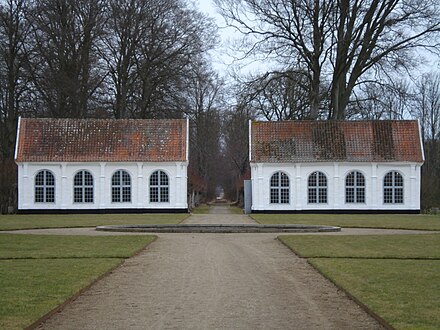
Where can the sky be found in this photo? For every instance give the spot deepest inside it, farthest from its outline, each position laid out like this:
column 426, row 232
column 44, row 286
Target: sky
column 221, row 56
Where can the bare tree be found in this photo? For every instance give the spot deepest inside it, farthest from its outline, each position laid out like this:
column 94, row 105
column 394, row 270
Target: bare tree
column 126, row 28
column 64, row 65
column 338, row 41
column 278, row 95
column 13, row 31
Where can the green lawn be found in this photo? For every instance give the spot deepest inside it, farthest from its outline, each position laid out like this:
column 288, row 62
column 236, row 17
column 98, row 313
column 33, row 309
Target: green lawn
column 426, row 246
column 35, row 221
column 390, row 221
column 205, row 209
column 201, row 209
column 37, row 272
column 403, row 291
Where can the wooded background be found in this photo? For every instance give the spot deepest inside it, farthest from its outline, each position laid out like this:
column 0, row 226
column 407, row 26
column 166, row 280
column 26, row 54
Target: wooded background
column 326, row 60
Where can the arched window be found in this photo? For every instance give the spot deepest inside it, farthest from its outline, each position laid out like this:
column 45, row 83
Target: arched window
column 44, row 187
column 159, row 187
column 83, row 187
column 279, row 188
column 121, row 187
column 355, row 187
column 393, row 188
column 317, row 185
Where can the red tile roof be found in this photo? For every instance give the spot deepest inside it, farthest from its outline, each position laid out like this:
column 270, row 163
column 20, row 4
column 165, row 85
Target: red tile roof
column 101, row 140
column 348, row 141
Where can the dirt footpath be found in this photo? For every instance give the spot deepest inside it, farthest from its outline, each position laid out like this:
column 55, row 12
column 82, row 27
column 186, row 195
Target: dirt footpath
column 213, row 281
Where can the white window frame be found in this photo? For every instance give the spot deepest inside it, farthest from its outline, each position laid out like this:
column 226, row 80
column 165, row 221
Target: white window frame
column 45, row 187
column 84, row 187
column 317, row 188
column 279, row 188
column 120, row 188
column 160, row 186
column 356, row 188
column 393, row 188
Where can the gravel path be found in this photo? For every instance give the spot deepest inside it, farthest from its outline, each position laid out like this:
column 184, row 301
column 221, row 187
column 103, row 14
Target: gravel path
column 212, row 281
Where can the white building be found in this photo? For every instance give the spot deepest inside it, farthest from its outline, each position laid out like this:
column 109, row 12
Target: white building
column 95, row 165
column 335, row 166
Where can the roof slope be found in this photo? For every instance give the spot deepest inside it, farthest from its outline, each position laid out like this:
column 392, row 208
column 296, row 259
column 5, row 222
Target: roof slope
column 349, row 141
column 103, row 140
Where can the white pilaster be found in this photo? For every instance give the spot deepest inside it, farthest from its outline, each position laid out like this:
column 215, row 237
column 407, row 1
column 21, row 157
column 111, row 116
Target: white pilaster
column 374, row 192
column 101, row 198
column 64, row 187
column 140, row 180
column 298, row 184
column 336, row 189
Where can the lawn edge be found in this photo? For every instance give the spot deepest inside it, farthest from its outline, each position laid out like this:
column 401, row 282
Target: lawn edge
column 366, row 309
column 75, row 296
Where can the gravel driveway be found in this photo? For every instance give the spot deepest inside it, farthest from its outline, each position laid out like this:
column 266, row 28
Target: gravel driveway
column 213, row 281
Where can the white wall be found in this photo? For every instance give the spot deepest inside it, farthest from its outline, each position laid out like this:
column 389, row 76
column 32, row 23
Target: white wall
column 336, row 173
column 102, row 173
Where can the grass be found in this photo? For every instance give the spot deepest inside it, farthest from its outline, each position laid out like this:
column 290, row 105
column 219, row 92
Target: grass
column 386, row 221
column 206, row 208
column 37, row 272
column 201, row 209
column 424, row 246
column 39, row 221
column 397, row 277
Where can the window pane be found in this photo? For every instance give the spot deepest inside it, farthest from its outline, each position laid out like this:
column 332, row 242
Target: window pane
column 274, row 180
column 126, row 181
column 77, row 195
column 88, row 195
column 349, row 195
column 164, row 194
column 39, row 195
column 154, row 179
column 349, row 181
column 360, row 195
column 322, row 195
column 39, row 178
column 126, row 194
column 50, row 179
column 312, row 195
column 88, row 179
column 284, row 196
column 398, row 180
column 322, row 180
column 284, row 180
column 50, row 195
column 116, row 179
column 398, row 195
column 274, row 196
column 312, row 179
column 388, row 195
column 360, row 179
column 116, row 195
column 388, row 180
column 77, row 181
column 163, row 179
column 154, row 194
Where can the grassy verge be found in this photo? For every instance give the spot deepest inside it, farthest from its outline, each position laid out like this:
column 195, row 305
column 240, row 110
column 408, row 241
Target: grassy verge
column 387, row 221
column 36, row 221
column 424, row 246
column 37, row 272
column 397, row 277
column 201, row 209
